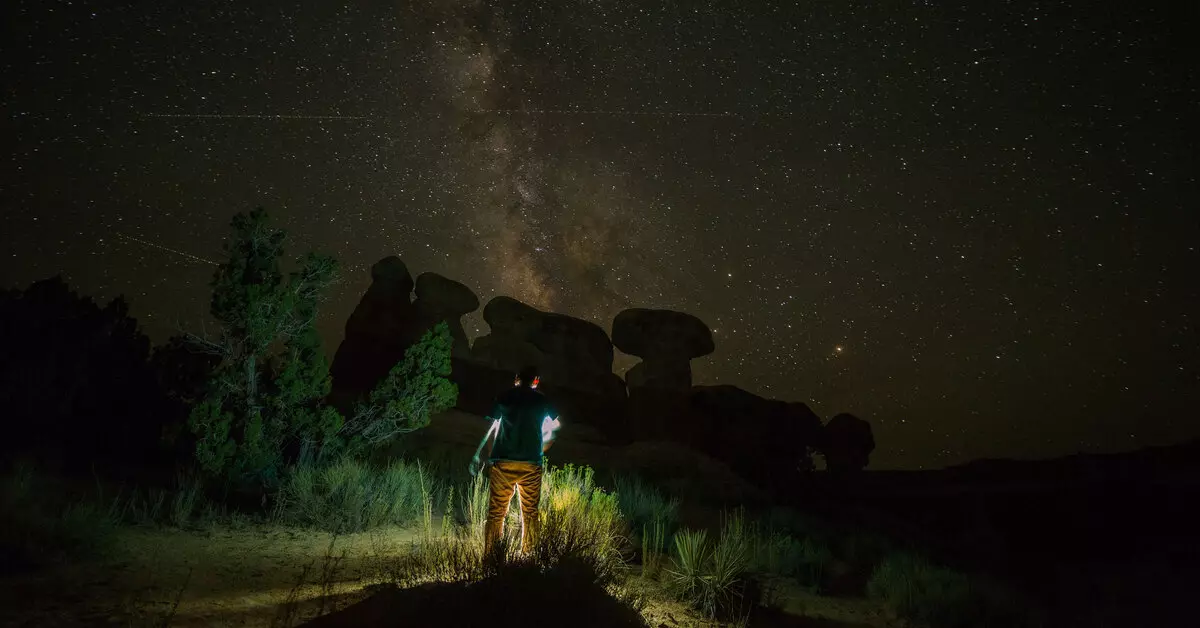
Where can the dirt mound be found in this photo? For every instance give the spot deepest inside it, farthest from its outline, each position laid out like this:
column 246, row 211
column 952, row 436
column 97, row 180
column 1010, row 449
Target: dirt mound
column 520, row 596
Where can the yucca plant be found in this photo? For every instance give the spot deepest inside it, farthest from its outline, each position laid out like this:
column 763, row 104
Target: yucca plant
column 708, row 575
column 691, row 559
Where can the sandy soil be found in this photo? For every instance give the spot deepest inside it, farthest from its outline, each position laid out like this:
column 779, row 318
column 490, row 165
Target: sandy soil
column 217, row 577
column 271, row 576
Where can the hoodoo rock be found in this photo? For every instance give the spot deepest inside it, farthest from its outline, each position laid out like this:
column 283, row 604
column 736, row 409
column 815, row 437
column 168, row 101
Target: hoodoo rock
column 570, row 352
column 666, row 341
column 442, row 299
column 574, row 357
column 376, row 332
column 509, row 317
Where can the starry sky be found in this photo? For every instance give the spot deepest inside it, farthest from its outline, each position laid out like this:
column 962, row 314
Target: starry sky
column 974, row 226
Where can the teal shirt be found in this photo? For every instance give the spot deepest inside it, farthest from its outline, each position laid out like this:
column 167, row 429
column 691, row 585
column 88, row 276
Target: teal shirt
column 520, row 411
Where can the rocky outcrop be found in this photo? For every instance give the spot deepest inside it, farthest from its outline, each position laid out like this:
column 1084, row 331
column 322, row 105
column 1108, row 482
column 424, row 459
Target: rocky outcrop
column 765, row 440
column 666, row 341
column 386, row 322
column 574, row 356
column 377, row 332
column 441, row 299
column 847, row 443
column 571, row 353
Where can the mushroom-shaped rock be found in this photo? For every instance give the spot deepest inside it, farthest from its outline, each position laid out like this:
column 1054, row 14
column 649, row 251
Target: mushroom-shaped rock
column 582, row 344
column 571, row 352
column 436, row 293
column 661, row 333
column 441, row 299
column 666, row 341
column 510, row 317
column 506, row 353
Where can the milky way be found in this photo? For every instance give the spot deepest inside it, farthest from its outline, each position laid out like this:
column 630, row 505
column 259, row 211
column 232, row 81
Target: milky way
column 548, row 221
column 974, row 226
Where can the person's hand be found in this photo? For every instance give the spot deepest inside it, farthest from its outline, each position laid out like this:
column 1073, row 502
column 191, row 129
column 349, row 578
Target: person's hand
column 475, row 467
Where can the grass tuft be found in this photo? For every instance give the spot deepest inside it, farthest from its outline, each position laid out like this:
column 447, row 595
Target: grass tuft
column 350, row 496
column 40, row 526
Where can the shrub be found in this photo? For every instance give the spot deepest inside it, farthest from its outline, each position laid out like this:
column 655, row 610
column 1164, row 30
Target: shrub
column 350, row 496
column 579, row 522
column 807, row 560
column 578, row 517
column 941, row 597
column 38, row 526
column 414, row 390
column 645, row 508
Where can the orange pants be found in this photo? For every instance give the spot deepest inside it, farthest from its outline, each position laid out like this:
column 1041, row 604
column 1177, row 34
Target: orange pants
column 525, row 478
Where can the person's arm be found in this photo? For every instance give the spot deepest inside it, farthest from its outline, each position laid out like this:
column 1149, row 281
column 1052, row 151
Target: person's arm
column 549, row 430
column 489, row 441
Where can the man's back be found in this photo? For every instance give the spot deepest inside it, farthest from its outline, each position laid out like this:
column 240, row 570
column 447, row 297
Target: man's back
column 521, row 411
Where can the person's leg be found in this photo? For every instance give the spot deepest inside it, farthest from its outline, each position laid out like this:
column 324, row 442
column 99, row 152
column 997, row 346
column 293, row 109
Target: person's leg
column 502, row 480
column 529, row 489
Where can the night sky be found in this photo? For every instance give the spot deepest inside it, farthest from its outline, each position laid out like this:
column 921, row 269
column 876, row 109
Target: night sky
column 974, row 227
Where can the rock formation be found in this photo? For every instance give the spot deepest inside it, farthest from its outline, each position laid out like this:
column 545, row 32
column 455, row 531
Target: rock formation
column 767, row 441
column 376, row 332
column 441, row 299
column 386, row 322
column 571, row 353
column 847, row 443
column 666, row 341
column 575, row 358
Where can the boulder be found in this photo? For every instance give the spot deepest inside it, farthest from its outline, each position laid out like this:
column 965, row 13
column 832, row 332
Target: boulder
column 661, row 333
column 570, row 352
column 847, row 443
column 509, row 317
column 506, row 353
column 441, row 299
column 766, row 441
column 671, row 375
column 666, row 341
column 443, row 295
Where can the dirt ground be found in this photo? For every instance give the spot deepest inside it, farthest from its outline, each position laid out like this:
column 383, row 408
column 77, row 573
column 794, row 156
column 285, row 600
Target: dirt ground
column 271, row 576
column 258, row 575
column 215, row 577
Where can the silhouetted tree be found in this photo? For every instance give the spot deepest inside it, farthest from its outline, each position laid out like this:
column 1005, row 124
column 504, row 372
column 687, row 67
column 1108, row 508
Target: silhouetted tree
column 268, row 389
column 182, row 370
column 847, row 443
column 75, row 381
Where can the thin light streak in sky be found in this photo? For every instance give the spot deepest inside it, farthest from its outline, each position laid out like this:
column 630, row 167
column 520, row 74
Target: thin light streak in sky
column 247, row 116
column 165, row 248
column 614, row 112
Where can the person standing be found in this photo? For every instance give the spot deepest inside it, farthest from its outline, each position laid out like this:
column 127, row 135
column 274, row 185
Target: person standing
column 523, row 429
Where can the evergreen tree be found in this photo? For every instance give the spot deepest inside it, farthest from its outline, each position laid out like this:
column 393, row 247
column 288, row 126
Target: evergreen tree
column 258, row 402
column 414, row 390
